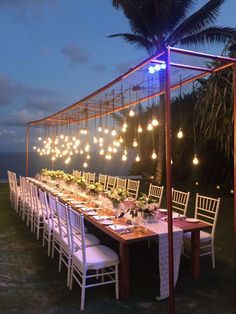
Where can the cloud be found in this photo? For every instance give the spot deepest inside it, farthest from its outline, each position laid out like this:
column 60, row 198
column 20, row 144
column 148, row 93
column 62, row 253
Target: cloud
column 38, row 98
column 20, row 118
column 99, row 68
column 75, row 54
column 4, row 133
column 42, row 102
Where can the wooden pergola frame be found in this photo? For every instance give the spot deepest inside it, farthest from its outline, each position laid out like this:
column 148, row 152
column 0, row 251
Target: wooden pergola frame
column 100, row 104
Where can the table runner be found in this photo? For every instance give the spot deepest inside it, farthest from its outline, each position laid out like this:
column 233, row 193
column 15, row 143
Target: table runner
column 161, row 228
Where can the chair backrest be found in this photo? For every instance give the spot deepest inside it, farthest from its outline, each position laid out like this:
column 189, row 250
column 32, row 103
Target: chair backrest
column 44, row 204
column 86, row 175
column 206, row 210
column 52, row 203
column 133, row 188
column 102, row 179
column 111, row 183
column 156, row 192
column 63, row 221
column 35, row 198
column 91, row 177
column 77, row 174
column 180, row 201
column 77, row 233
column 121, row 183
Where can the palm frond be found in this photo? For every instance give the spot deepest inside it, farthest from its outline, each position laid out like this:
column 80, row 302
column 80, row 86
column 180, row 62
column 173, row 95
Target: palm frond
column 198, row 21
column 137, row 40
column 214, row 34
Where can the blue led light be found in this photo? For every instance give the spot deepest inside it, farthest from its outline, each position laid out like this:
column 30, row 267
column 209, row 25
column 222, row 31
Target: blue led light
column 151, row 69
column 157, row 67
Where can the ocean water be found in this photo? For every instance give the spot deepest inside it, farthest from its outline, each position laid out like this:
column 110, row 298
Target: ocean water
column 16, row 162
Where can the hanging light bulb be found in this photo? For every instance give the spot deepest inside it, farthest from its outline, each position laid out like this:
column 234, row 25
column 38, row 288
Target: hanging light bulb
column 113, row 132
column 125, row 125
column 154, row 155
column 100, row 144
column 131, row 113
column 101, row 152
column 86, row 148
column 109, row 149
column 107, row 156
column 85, row 131
column 140, row 129
column 114, row 150
column 124, row 157
column 100, row 128
column 195, row 160
column 171, row 161
column 82, row 131
column 73, row 138
column 61, row 136
column 39, row 138
column 149, row 126
column 88, row 156
column 81, row 152
column 121, row 139
column 155, row 122
column 95, row 140
column 106, row 131
column 100, row 139
column 180, row 133
column 85, row 164
column 34, row 147
column 137, row 158
column 135, row 143
column 53, row 158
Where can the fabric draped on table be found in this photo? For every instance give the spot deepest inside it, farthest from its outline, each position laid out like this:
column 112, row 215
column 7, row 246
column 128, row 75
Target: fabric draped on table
column 161, row 229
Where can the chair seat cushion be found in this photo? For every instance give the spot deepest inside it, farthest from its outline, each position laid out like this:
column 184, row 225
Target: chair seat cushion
column 204, row 236
column 90, row 240
column 96, row 257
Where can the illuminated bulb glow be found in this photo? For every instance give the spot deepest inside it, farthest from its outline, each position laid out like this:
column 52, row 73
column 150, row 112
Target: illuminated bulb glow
column 100, row 128
column 149, row 127
column 106, row 131
column 88, row 156
column 125, row 125
column 101, row 152
column 113, row 132
column 95, row 140
column 34, row 147
column 140, row 129
column 85, row 164
column 124, row 157
column 154, row 155
column 131, row 113
column 121, row 140
column 195, row 160
column 135, row 143
column 40, row 138
column 155, row 122
column 180, row 133
column 137, row 158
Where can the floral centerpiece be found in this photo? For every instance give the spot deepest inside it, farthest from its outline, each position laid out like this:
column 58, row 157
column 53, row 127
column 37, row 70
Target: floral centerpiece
column 69, row 178
column 96, row 188
column 53, row 174
column 117, row 195
column 144, row 206
column 81, row 182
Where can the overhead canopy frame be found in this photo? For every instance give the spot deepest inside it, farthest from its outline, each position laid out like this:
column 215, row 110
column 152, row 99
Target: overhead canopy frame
column 136, row 86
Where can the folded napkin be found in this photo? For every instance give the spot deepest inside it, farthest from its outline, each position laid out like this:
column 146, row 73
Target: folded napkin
column 102, row 217
column 119, row 227
column 87, row 209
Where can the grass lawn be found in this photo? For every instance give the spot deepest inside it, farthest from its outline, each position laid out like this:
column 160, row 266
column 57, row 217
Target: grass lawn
column 30, row 282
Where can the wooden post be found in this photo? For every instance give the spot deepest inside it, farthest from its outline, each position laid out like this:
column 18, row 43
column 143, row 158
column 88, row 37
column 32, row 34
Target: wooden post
column 169, row 183
column 234, row 104
column 27, row 151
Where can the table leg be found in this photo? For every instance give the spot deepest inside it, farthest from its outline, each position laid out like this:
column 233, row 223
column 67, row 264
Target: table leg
column 124, row 271
column 195, row 254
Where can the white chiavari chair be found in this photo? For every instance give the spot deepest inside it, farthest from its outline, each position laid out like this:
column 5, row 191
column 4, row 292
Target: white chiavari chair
column 111, row 183
column 102, row 179
column 91, row 266
column 52, row 202
column 133, row 188
column 91, row 177
column 121, row 183
column 77, row 174
column 206, row 210
column 156, row 192
column 180, row 201
column 85, row 175
column 47, row 221
column 38, row 215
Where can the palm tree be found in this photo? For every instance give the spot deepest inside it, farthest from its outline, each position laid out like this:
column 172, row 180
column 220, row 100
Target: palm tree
column 214, row 106
column 155, row 24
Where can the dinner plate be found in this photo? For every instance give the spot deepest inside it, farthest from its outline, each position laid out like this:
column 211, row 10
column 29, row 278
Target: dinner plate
column 92, row 213
column 162, row 210
column 191, row 220
column 107, row 222
column 102, row 217
column 118, row 227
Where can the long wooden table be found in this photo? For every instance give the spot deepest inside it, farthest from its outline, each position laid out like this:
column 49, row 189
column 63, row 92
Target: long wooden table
column 140, row 234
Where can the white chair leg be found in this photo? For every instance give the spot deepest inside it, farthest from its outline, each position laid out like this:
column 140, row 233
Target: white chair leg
column 83, row 293
column 71, row 276
column 68, row 271
column 60, row 261
column 117, row 282
column 213, row 255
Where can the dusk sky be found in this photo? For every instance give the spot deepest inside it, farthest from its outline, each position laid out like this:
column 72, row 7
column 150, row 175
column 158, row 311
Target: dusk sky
column 54, row 52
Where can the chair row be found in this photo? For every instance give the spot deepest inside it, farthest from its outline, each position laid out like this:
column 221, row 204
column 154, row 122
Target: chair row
column 88, row 262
